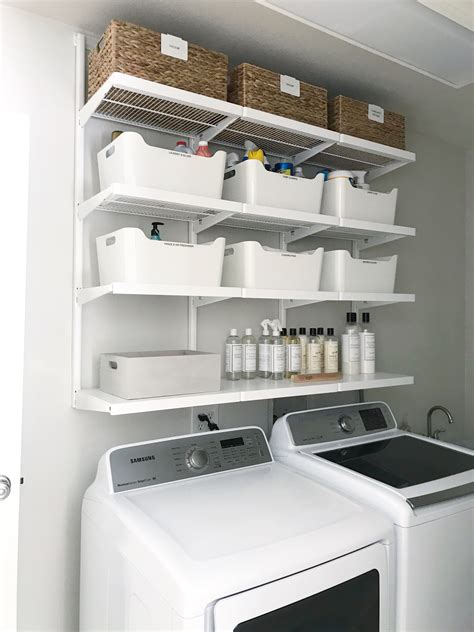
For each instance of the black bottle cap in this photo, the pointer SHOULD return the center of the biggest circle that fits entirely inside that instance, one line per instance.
(283, 331)
(320, 331)
(366, 317)
(312, 331)
(348, 317)
(330, 331)
(155, 224)
(351, 317)
(292, 331)
(303, 331)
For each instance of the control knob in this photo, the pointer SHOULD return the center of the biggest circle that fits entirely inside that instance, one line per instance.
(197, 459)
(345, 424)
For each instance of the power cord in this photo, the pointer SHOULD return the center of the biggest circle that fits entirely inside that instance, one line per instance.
(210, 424)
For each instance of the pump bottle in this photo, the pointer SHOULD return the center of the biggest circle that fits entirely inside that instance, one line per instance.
(367, 346)
(277, 353)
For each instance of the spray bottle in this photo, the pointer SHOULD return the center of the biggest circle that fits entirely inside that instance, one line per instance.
(264, 350)
(277, 352)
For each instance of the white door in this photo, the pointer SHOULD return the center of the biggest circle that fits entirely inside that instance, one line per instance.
(350, 593)
(14, 135)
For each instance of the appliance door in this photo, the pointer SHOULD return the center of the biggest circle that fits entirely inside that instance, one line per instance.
(349, 594)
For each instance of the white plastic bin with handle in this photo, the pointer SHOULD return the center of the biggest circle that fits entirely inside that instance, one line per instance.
(129, 160)
(248, 264)
(342, 273)
(251, 183)
(128, 256)
(341, 199)
(136, 375)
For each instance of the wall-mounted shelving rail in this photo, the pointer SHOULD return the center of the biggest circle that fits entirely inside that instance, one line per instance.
(145, 104)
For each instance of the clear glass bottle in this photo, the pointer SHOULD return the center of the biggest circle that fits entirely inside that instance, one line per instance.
(331, 352)
(315, 352)
(367, 346)
(284, 337)
(264, 351)
(351, 346)
(293, 354)
(249, 356)
(233, 356)
(304, 349)
(277, 354)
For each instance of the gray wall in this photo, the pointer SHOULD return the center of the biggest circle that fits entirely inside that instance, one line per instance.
(61, 446)
(469, 391)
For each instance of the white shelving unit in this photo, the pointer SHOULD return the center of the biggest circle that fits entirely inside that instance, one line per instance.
(154, 106)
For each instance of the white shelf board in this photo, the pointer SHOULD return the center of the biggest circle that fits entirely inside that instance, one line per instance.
(232, 392)
(206, 212)
(377, 380)
(151, 289)
(375, 299)
(151, 105)
(292, 298)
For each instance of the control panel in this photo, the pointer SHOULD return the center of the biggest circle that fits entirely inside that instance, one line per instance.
(146, 464)
(341, 422)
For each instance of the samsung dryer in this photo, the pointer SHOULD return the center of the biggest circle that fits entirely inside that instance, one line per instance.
(207, 533)
(425, 487)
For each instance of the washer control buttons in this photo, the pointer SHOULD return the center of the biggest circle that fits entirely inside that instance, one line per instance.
(197, 459)
(345, 424)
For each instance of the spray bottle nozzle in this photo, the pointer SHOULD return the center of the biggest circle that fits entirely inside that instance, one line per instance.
(276, 327)
(266, 324)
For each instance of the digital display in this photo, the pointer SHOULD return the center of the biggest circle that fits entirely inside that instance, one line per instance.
(373, 419)
(232, 443)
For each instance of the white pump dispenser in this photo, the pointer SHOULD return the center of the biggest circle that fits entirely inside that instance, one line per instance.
(277, 352)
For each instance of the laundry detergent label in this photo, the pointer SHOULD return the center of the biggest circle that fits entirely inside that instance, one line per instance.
(174, 46)
(375, 113)
(290, 85)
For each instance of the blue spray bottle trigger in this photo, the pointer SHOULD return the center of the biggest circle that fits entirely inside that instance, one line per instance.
(155, 231)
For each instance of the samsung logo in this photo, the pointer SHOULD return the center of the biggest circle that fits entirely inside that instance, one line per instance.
(141, 459)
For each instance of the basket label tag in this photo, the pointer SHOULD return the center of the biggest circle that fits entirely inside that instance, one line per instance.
(290, 85)
(174, 46)
(375, 113)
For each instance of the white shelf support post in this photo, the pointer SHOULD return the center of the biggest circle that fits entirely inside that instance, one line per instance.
(203, 224)
(212, 132)
(303, 156)
(79, 43)
(192, 307)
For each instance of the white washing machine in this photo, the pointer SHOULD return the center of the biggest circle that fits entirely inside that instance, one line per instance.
(425, 487)
(206, 532)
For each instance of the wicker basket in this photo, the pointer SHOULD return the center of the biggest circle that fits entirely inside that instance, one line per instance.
(348, 116)
(258, 88)
(136, 51)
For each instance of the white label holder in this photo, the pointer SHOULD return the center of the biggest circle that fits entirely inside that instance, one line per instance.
(290, 85)
(174, 46)
(375, 113)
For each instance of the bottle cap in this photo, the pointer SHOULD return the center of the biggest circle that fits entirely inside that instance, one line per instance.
(248, 331)
(312, 331)
(366, 317)
(292, 331)
(303, 331)
(283, 331)
(330, 331)
(320, 331)
(181, 142)
(351, 317)
(233, 332)
(203, 143)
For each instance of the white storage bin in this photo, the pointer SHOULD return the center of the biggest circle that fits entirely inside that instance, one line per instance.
(342, 273)
(128, 256)
(129, 160)
(249, 264)
(141, 374)
(341, 199)
(251, 183)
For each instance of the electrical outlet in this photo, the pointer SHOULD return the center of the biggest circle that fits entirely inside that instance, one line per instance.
(199, 425)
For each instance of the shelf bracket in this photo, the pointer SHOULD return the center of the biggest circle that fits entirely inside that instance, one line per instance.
(307, 154)
(371, 242)
(203, 224)
(201, 301)
(381, 171)
(86, 295)
(301, 233)
(289, 303)
(212, 132)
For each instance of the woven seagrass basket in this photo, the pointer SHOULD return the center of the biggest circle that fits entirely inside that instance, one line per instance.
(348, 116)
(135, 50)
(258, 88)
